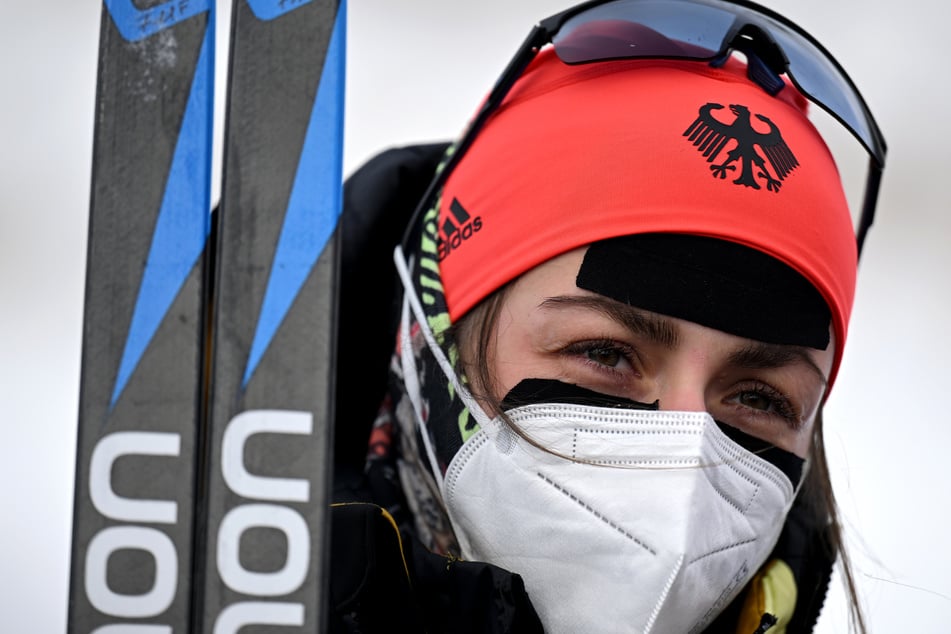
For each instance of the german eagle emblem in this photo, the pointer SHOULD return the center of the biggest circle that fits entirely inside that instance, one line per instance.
(710, 136)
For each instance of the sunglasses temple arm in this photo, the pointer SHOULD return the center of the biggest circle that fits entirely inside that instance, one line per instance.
(870, 201)
(526, 53)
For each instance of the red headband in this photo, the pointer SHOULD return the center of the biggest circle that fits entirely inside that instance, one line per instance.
(578, 154)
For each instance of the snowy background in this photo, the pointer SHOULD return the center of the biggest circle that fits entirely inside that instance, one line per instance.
(416, 69)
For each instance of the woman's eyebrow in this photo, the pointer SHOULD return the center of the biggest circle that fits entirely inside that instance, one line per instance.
(655, 327)
(753, 355)
(760, 355)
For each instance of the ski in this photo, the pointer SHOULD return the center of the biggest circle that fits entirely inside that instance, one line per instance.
(265, 494)
(139, 411)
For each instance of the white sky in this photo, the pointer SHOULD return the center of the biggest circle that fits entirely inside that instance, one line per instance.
(416, 69)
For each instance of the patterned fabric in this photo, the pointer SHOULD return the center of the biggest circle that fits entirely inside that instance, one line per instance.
(396, 438)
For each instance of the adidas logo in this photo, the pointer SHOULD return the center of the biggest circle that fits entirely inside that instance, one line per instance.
(456, 230)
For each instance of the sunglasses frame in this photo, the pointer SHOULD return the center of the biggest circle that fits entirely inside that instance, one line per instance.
(544, 32)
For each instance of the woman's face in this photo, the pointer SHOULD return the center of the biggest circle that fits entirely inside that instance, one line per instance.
(549, 328)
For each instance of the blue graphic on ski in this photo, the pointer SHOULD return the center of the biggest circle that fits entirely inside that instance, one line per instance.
(267, 487)
(140, 403)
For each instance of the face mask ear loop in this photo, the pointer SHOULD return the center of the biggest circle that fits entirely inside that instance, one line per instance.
(411, 380)
(806, 466)
(408, 362)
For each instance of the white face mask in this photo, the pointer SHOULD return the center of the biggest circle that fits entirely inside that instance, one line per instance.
(657, 530)
(628, 521)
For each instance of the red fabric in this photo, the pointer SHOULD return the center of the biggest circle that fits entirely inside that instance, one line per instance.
(582, 153)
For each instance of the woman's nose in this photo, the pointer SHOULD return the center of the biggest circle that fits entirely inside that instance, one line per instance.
(683, 387)
(687, 399)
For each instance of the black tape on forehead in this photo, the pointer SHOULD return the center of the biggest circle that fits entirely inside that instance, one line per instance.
(711, 282)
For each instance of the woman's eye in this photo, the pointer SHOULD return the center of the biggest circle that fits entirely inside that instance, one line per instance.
(768, 401)
(605, 356)
(755, 400)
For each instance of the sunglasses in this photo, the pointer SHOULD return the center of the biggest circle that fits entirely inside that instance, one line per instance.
(703, 30)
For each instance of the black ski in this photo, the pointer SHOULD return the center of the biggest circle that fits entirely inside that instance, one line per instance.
(270, 402)
(139, 410)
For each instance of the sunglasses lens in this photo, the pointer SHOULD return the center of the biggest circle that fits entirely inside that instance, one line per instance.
(643, 28)
(702, 30)
(819, 77)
